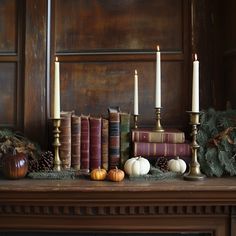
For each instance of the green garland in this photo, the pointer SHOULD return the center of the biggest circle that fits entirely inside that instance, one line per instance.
(217, 140)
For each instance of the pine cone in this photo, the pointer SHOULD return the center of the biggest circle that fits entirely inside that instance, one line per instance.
(46, 161)
(162, 164)
(32, 164)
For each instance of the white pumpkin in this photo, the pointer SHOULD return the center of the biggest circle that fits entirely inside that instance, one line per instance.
(137, 166)
(177, 165)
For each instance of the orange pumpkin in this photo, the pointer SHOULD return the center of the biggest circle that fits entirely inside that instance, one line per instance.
(116, 175)
(98, 174)
(15, 166)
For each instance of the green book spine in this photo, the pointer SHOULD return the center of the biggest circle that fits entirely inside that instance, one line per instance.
(124, 138)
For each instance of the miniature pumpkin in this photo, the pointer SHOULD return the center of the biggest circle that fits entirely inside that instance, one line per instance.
(116, 175)
(98, 174)
(15, 166)
(177, 165)
(137, 166)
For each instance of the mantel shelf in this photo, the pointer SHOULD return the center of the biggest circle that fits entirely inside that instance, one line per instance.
(145, 206)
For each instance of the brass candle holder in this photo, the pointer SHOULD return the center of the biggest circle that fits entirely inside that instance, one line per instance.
(194, 168)
(56, 144)
(135, 121)
(158, 126)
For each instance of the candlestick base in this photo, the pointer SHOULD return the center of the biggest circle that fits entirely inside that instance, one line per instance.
(56, 144)
(158, 126)
(194, 173)
(135, 121)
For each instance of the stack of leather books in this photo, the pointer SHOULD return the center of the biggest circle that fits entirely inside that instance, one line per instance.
(152, 144)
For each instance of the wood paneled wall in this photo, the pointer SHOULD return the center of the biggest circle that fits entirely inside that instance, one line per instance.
(99, 44)
(229, 47)
(11, 100)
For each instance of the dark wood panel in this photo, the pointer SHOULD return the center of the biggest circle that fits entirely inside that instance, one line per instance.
(108, 57)
(90, 88)
(229, 45)
(85, 25)
(35, 86)
(8, 95)
(207, 43)
(230, 75)
(229, 29)
(8, 26)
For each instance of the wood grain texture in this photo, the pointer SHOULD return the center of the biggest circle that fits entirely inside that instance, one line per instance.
(8, 26)
(8, 106)
(118, 25)
(128, 206)
(229, 47)
(35, 117)
(11, 101)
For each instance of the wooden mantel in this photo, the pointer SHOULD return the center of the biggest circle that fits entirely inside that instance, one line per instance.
(128, 206)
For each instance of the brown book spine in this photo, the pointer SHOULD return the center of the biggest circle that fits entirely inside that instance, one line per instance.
(114, 140)
(65, 140)
(161, 149)
(105, 144)
(75, 141)
(95, 142)
(85, 138)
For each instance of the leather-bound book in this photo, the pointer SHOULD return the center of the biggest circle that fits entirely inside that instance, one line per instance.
(105, 143)
(95, 142)
(124, 137)
(65, 140)
(85, 139)
(151, 136)
(75, 141)
(161, 149)
(114, 138)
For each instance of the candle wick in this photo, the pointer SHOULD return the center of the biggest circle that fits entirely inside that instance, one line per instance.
(158, 48)
(195, 55)
(56, 58)
(136, 73)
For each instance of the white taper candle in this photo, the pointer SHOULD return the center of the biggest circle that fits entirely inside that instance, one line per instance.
(195, 86)
(158, 78)
(56, 107)
(136, 93)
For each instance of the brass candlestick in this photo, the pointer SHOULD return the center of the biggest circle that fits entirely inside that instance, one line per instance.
(135, 121)
(158, 127)
(194, 168)
(56, 144)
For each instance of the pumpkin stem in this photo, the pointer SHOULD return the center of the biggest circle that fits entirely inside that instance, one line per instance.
(177, 158)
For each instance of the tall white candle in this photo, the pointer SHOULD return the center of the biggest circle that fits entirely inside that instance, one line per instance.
(158, 78)
(136, 93)
(56, 107)
(195, 88)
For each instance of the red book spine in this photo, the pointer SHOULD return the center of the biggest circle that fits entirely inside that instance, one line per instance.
(105, 143)
(114, 140)
(95, 142)
(75, 141)
(161, 149)
(85, 143)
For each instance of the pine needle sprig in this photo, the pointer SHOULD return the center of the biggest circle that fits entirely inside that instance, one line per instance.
(217, 140)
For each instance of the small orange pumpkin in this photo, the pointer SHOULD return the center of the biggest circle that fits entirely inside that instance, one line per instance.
(98, 174)
(116, 175)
